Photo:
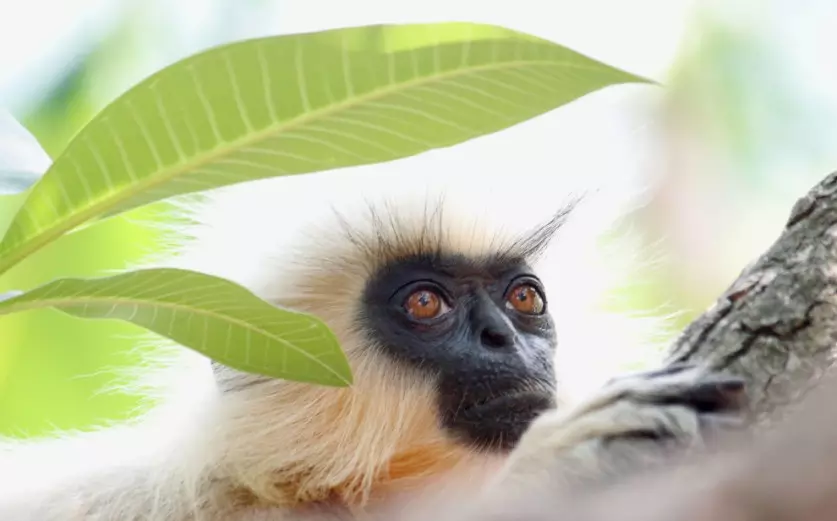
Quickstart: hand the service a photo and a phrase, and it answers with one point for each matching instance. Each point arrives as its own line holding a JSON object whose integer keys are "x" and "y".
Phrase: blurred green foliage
{"x": 72, "y": 382}
{"x": 45, "y": 384}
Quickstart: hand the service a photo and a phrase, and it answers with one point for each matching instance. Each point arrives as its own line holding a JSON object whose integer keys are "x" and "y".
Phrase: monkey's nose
{"x": 495, "y": 338}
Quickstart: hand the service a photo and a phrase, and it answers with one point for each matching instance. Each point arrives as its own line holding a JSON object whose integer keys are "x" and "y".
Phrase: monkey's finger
{"x": 711, "y": 394}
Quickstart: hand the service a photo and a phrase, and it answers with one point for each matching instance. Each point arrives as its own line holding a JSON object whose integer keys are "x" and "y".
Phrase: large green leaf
{"x": 22, "y": 159}
{"x": 295, "y": 104}
{"x": 214, "y": 316}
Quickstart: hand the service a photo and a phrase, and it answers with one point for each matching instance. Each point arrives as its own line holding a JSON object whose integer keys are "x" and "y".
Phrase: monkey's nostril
{"x": 496, "y": 339}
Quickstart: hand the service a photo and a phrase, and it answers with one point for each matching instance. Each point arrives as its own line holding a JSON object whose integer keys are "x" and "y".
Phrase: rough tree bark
{"x": 776, "y": 325}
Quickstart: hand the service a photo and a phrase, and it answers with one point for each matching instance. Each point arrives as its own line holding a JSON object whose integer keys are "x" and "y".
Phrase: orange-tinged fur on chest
{"x": 410, "y": 470}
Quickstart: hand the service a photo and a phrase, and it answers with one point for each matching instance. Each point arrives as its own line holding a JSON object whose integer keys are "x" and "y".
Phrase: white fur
{"x": 161, "y": 467}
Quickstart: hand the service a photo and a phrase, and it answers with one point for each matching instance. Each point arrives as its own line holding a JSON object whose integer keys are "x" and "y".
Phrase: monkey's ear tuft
{"x": 532, "y": 244}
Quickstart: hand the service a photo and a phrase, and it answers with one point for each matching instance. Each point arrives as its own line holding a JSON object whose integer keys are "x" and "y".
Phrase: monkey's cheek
{"x": 498, "y": 425}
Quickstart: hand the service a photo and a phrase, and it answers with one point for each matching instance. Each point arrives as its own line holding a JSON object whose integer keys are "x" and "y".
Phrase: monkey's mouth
{"x": 496, "y": 424}
{"x": 507, "y": 402}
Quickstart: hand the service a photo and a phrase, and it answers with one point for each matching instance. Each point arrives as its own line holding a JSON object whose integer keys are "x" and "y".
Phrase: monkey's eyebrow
{"x": 447, "y": 265}
{"x": 493, "y": 266}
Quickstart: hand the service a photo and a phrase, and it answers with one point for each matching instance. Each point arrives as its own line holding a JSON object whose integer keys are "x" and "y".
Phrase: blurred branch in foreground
{"x": 788, "y": 475}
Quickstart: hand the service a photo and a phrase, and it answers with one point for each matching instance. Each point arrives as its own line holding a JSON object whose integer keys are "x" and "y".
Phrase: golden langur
{"x": 459, "y": 311}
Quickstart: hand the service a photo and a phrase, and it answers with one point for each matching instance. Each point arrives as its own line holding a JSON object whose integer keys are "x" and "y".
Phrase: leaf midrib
{"x": 107, "y": 200}
{"x": 9, "y": 307}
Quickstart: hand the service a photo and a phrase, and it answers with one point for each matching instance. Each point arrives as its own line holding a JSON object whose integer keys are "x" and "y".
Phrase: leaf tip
{"x": 342, "y": 369}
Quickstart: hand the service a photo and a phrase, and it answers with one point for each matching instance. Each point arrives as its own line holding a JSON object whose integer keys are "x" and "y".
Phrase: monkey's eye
{"x": 526, "y": 298}
{"x": 424, "y": 304}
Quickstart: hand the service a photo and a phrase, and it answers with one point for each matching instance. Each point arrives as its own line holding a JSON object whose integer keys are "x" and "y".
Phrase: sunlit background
{"x": 745, "y": 123}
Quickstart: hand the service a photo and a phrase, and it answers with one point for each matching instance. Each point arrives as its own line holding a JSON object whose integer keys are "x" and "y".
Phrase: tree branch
{"x": 776, "y": 325}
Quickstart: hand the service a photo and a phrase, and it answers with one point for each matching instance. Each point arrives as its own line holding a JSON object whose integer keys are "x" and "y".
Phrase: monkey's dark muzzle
{"x": 497, "y": 424}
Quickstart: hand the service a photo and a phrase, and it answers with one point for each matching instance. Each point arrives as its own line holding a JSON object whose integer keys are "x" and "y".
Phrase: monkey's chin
{"x": 498, "y": 424}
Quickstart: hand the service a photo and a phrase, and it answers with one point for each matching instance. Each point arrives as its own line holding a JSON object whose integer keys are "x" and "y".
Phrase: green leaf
{"x": 214, "y": 316}
{"x": 22, "y": 159}
{"x": 295, "y": 104}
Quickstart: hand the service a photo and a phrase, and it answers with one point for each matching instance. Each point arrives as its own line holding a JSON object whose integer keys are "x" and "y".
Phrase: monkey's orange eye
{"x": 425, "y": 304}
{"x": 526, "y": 299}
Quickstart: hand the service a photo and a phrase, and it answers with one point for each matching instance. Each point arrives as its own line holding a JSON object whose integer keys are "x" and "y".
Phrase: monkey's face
{"x": 480, "y": 329}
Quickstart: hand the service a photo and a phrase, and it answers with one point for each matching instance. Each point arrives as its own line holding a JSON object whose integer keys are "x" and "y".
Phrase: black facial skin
{"x": 493, "y": 364}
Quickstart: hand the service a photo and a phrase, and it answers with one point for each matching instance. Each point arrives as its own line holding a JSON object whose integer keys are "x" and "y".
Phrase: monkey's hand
{"x": 632, "y": 424}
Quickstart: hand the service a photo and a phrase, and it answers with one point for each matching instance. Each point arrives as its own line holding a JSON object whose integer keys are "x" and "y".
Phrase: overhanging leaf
{"x": 296, "y": 104}
{"x": 22, "y": 159}
{"x": 216, "y": 317}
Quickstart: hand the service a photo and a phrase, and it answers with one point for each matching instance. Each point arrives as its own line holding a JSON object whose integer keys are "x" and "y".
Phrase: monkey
{"x": 449, "y": 322}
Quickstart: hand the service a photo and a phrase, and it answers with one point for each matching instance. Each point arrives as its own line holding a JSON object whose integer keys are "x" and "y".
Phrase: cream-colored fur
{"x": 235, "y": 446}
